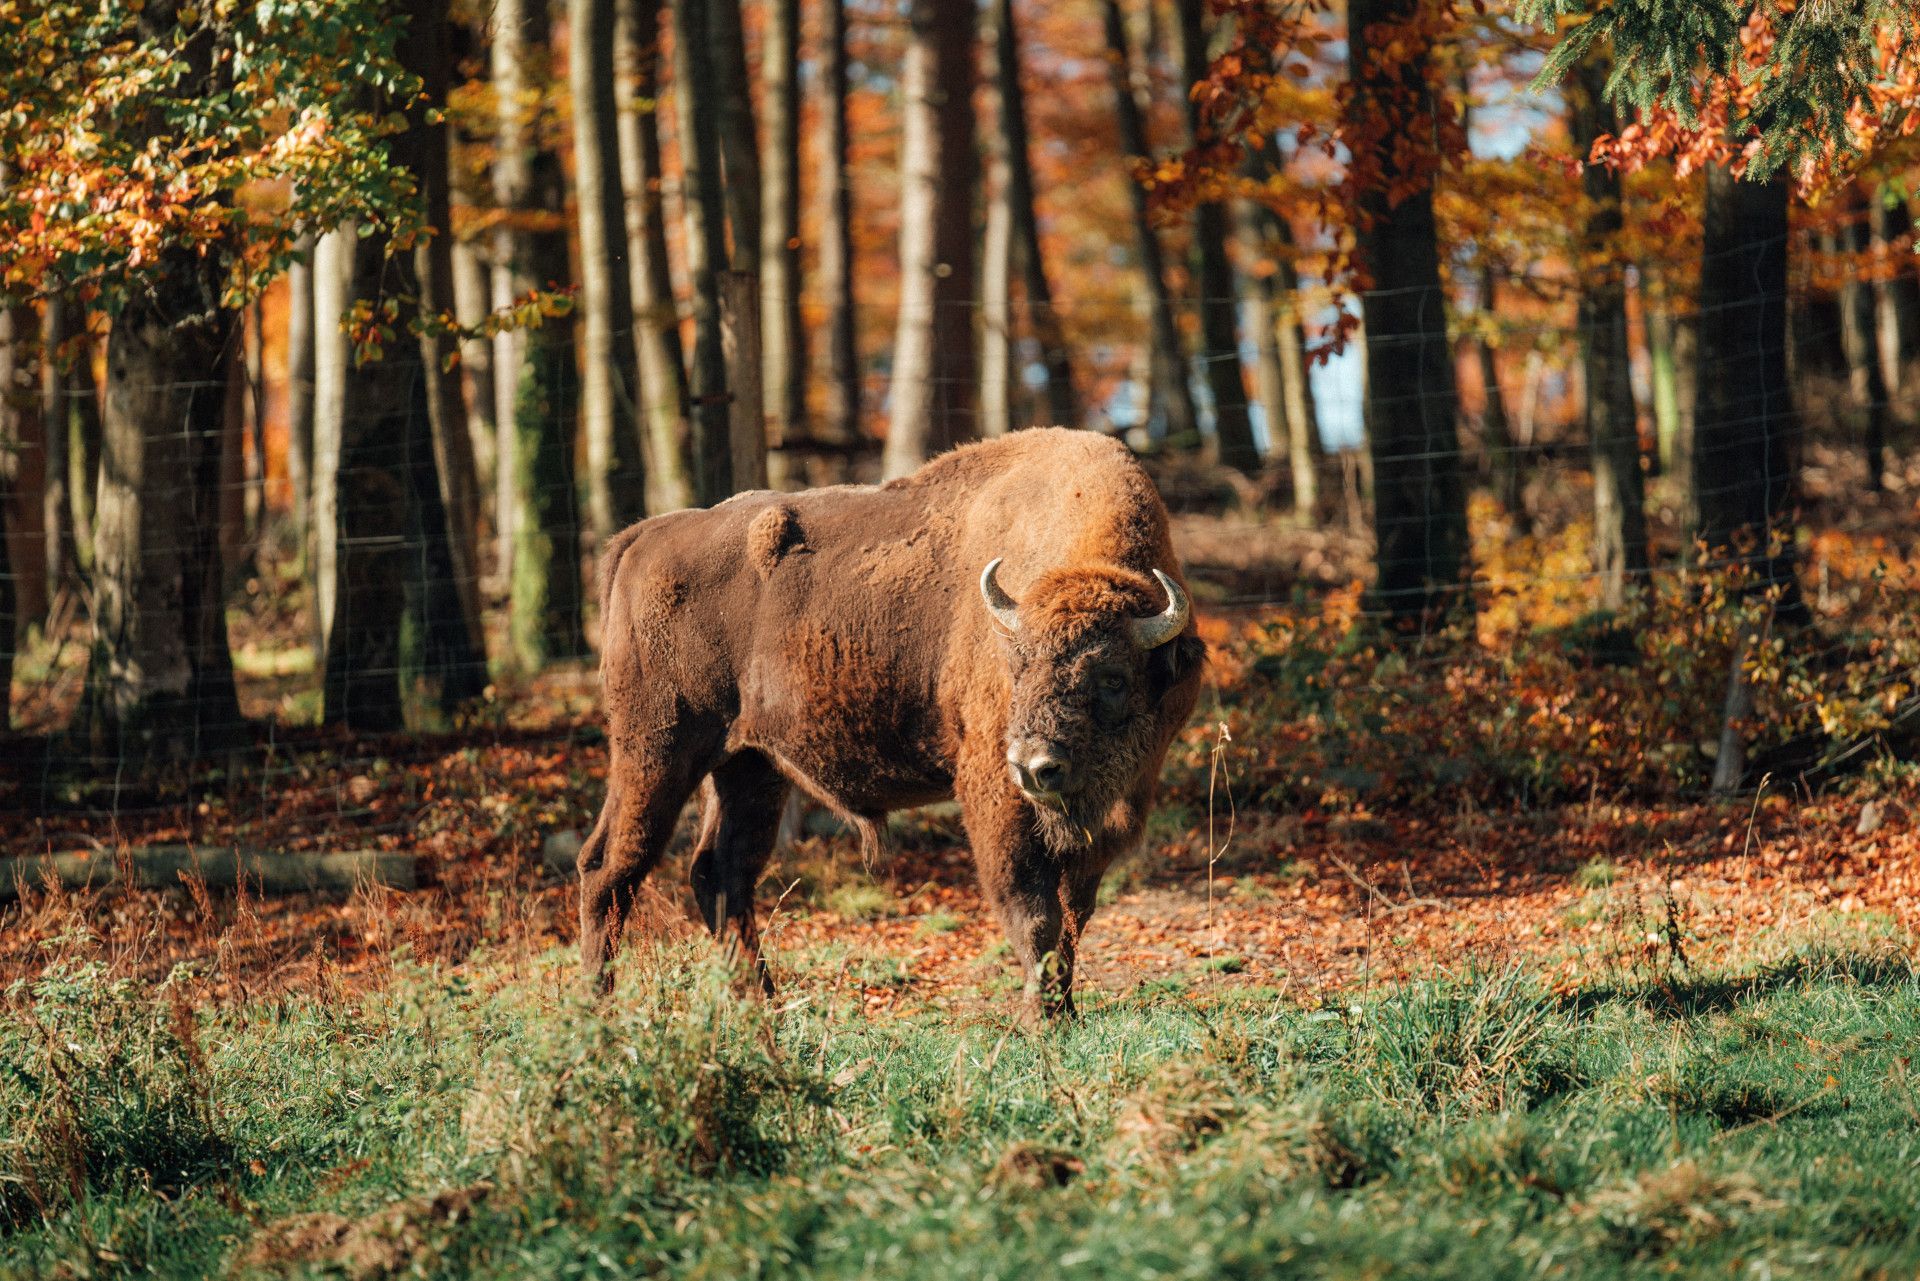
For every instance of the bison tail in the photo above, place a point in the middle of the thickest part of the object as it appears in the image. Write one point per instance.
(610, 563)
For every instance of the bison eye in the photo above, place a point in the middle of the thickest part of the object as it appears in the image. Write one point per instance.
(1113, 683)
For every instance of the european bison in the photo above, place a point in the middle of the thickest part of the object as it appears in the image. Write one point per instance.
(1007, 626)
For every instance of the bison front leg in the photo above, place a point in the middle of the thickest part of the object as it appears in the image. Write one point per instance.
(1042, 899)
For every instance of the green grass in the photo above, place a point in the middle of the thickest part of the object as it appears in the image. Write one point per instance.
(1759, 1121)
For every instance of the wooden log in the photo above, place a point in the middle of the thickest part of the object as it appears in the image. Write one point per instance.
(165, 866)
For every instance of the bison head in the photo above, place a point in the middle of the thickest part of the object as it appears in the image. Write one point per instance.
(1092, 652)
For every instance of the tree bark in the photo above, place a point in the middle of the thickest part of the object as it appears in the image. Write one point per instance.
(300, 387)
(1613, 431)
(1744, 423)
(332, 361)
(1168, 351)
(696, 97)
(740, 160)
(934, 369)
(58, 322)
(782, 334)
(836, 238)
(1063, 402)
(160, 681)
(996, 257)
(447, 574)
(1897, 294)
(610, 377)
(7, 627)
(472, 300)
(540, 519)
(23, 452)
(1419, 500)
(1860, 338)
(663, 372)
(1219, 296)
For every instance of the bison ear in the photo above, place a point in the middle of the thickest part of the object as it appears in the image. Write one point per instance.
(1170, 664)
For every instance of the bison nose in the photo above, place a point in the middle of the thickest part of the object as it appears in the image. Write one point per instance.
(1038, 770)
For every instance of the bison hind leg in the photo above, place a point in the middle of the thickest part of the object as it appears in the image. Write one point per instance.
(741, 807)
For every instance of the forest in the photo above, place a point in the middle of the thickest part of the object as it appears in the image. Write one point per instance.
(1534, 390)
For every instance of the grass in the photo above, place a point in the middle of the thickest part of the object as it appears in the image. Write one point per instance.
(492, 1124)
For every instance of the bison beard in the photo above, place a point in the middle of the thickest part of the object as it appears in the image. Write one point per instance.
(847, 641)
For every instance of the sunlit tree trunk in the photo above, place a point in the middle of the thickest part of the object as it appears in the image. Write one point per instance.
(472, 300)
(1063, 407)
(782, 335)
(842, 423)
(1613, 432)
(1743, 480)
(1168, 350)
(996, 255)
(542, 520)
(1419, 500)
(160, 680)
(934, 368)
(663, 373)
(332, 281)
(1219, 296)
(996, 301)
(740, 288)
(610, 392)
(696, 96)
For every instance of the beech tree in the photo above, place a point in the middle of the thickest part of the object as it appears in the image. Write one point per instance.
(934, 349)
(696, 94)
(232, 97)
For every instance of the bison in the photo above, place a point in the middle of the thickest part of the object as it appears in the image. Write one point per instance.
(1006, 627)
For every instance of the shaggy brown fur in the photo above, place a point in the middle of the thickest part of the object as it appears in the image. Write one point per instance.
(836, 640)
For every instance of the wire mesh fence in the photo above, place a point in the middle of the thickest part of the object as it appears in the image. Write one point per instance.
(267, 769)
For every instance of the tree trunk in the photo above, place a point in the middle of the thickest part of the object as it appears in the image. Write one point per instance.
(1897, 294)
(1262, 306)
(934, 368)
(610, 391)
(739, 320)
(300, 388)
(1613, 431)
(1213, 272)
(236, 555)
(472, 300)
(7, 626)
(540, 517)
(160, 682)
(1859, 336)
(1168, 351)
(58, 321)
(696, 97)
(401, 549)
(23, 450)
(443, 471)
(782, 334)
(1744, 423)
(740, 160)
(1063, 403)
(836, 238)
(1419, 506)
(663, 372)
(362, 689)
(996, 263)
(332, 363)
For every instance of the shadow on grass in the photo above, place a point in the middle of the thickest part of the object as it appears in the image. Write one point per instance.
(1718, 994)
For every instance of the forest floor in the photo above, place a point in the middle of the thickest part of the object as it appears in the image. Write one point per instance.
(1435, 959)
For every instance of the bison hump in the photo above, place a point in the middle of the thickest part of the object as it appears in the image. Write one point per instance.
(771, 536)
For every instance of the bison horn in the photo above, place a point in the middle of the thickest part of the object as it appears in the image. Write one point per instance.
(1005, 610)
(1151, 633)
